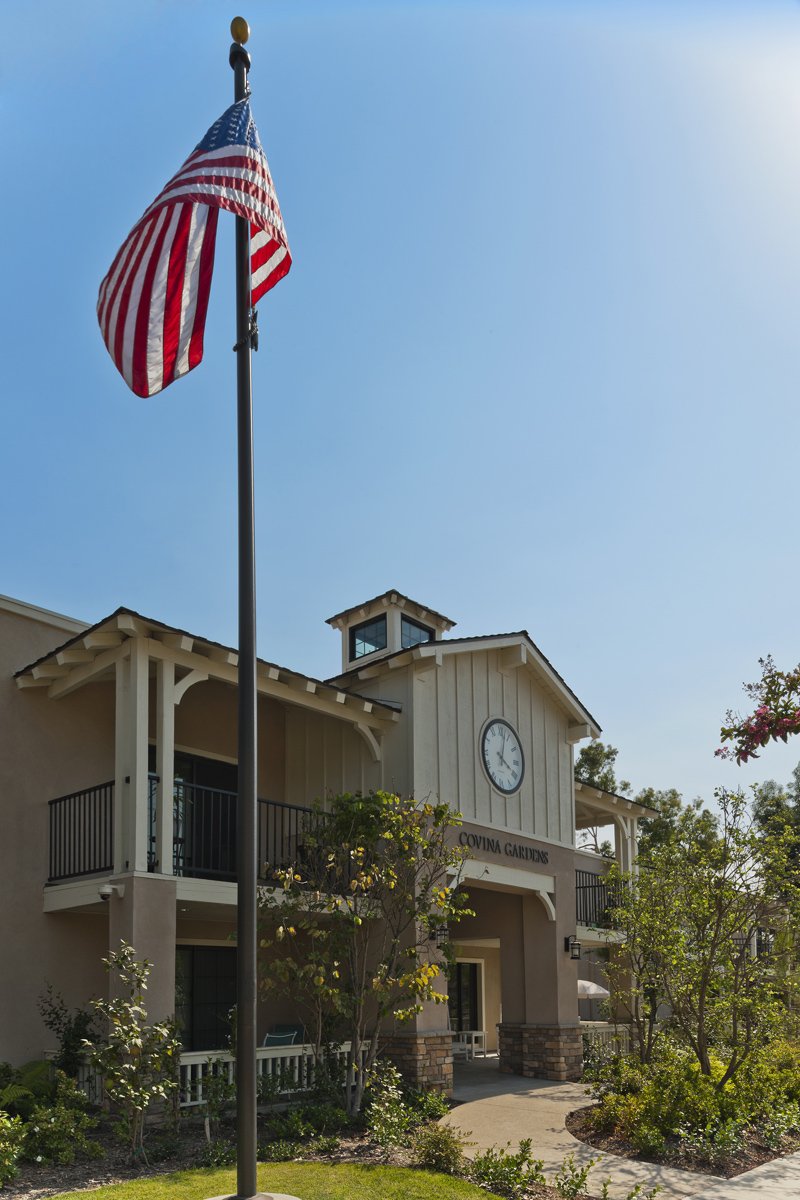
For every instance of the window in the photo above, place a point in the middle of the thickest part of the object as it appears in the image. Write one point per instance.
(367, 637)
(413, 634)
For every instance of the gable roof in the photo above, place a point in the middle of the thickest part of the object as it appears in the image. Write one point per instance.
(129, 623)
(545, 670)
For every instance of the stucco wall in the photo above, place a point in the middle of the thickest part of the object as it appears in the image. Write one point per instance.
(48, 748)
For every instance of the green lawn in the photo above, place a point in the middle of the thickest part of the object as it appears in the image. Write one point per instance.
(308, 1181)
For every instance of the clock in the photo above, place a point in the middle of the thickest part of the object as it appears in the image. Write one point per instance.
(501, 755)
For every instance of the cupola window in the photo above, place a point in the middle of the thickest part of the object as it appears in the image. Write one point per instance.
(368, 637)
(413, 634)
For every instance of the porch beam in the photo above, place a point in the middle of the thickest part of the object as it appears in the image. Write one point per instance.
(270, 683)
(73, 655)
(176, 641)
(81, 674)
(101, 639)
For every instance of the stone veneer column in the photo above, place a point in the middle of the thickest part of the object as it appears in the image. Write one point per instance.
(552, 1052)
(425, 1060)
(509, 1047)
(541, 1051)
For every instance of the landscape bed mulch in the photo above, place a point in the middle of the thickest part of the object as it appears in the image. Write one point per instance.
(180, 1153)
(754, 1153)
(40, 1181)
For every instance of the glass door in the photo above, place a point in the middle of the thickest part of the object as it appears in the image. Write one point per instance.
(464, 998)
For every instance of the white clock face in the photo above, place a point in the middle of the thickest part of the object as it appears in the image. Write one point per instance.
(502, 756)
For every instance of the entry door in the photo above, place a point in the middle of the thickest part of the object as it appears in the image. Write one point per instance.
(464, 997)
(205, 993)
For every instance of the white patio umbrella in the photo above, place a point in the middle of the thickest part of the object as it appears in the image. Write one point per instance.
(591, 991)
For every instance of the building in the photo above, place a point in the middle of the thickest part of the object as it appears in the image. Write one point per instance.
(118, 777)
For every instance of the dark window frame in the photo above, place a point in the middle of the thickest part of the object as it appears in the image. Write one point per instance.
(409, 621)
(356, 629)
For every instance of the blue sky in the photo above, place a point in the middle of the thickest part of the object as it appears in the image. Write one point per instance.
(535, 364)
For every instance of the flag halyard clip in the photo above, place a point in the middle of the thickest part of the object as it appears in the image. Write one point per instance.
(251, 339)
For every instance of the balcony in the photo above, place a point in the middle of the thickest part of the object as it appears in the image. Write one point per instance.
(594, 897)
(203, 840)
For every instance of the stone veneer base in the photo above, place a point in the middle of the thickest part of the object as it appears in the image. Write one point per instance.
(542, 1051)
(425, 1060)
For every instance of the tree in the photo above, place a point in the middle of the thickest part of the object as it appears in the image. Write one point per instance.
(138, 1061)
(668, 805)
(776, 715)
(595, 767)
(691, 919)
(632, 966)
(351, 926)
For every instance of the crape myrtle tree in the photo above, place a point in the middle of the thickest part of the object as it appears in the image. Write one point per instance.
(776, 713)
(350, 926)
(693, 918)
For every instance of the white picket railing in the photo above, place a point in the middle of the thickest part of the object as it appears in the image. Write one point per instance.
(600, 1033)
(289, 1069)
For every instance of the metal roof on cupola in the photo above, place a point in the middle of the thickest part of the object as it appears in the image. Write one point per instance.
(391, 599)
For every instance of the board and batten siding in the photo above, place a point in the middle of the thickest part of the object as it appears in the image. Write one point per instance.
(452, 702)
(325, 757)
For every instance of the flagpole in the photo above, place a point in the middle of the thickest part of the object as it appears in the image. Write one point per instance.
(247, 872)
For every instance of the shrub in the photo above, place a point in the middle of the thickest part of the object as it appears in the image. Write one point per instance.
(295, 1127)
(440, 1148)
(21, 1087)
(323, 1144)
(219, 1093)
(672, 1099)
(59, 1132)
(782, 1121)
(714, 1144)
(512, 1175)
(325, 1118)
(570, 1180)
(12, 1135)
(388, 1118)
(427, 1106)
(280, 1151)
(72, 1028)
(220, 1153)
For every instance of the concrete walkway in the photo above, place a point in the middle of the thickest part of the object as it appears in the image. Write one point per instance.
(495, 1109)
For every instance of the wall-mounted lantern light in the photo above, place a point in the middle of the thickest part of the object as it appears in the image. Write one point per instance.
(440, 935)
(572, 946)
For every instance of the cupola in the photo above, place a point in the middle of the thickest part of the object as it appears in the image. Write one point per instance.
(385, 625)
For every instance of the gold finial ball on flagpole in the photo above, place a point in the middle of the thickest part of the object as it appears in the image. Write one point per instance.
(240, 30)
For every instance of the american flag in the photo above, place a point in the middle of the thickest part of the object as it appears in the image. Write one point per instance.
(153, 301)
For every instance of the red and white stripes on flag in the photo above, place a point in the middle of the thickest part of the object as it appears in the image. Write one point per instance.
(153, 301)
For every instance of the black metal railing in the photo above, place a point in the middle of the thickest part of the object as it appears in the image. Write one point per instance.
(152, 818)
(594, 899)
(203, 833)
(82, 833)
(283, 832)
